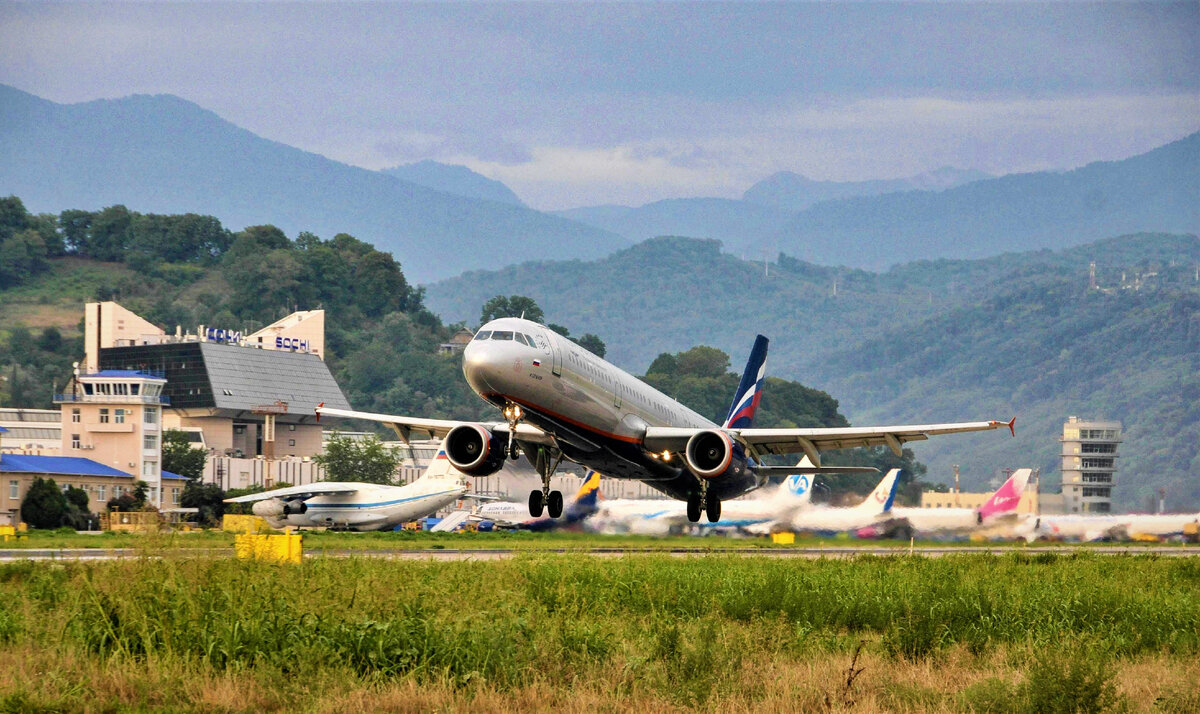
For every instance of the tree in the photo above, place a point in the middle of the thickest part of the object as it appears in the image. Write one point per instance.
(367, 460)
(77, 497)
(180, 456)
(208, 497)
(141, 489)
(51, 340)
(511, 306)
(592, 344)
(44, 506)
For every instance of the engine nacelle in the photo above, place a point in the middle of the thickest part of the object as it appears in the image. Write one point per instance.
(473, 450)
(712, 454)
(270, 508)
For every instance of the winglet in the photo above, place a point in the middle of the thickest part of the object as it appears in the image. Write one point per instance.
(1012, 426)
(318, 411)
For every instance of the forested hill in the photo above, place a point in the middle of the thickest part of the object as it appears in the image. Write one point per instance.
(162, 154)
(1021, 333)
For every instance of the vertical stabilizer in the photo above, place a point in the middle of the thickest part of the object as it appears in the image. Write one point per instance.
(1007, 497)
(880, 500)
(749, 391)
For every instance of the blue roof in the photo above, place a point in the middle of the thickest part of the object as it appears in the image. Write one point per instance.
(122, 373)
(168, 474)
(56, 465)
(3, 430)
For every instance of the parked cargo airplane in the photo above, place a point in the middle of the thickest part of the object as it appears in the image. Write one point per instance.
(360, 506)
(561, 401)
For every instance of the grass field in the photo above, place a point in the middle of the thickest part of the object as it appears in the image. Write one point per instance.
(643, 632)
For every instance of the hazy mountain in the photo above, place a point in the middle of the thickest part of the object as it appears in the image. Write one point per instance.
(792, 192)
(163, 154)
(1155, 191)
(1019, 333)
(745, 228)
(454, 179)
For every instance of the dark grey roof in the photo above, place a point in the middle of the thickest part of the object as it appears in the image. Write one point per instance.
(243, 378)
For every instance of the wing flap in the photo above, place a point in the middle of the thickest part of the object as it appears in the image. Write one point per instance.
(434, 428)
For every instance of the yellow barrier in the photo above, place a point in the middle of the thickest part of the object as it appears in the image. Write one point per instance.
(11, 533)
(279, 548)
(783, 538)
(235, 523)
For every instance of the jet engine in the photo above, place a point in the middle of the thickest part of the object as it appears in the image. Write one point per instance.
(473, 450)
(712, 454)
(279, 508)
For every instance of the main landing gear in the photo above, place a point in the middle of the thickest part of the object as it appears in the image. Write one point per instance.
(703, 503)
(545, 499)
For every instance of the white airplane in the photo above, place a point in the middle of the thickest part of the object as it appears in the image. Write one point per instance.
(1000, 508)
(873, 514)
(507, 514)
(1133, 526)
(560, 401)
(661, 517)
(360, 506)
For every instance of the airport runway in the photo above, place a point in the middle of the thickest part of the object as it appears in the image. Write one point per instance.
(480, 554)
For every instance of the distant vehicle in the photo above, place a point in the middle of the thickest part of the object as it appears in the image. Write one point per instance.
(360, 506)
(561, 401)
(998, 511)
(508, 514)
(1119, 527)
(870, 518)
(662, 516)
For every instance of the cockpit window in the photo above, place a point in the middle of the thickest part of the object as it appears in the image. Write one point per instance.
(483, 335)
(502, 335)
(530, 341)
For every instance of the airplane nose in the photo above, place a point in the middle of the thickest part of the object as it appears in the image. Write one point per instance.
(475, 368)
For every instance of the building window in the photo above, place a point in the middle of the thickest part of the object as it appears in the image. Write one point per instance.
(150, 442)
(100, 493)
(133, 389)
(74, 441)
(119, 416)
(104, 415)
(150, 416)
(14, 490)
(118, 491)
(149, 468)
(175, 496)
(291, 442)
(75, 416)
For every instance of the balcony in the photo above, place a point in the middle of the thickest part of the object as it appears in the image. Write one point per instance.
(109, 427)
(111, 399)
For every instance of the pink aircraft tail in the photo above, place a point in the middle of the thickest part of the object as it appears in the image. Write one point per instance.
(1007, 497)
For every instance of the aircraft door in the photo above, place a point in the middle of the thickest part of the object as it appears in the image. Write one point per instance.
(555, 355)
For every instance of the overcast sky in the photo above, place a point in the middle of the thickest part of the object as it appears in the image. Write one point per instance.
(579, 104)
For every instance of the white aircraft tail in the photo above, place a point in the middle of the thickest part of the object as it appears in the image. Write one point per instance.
(796, 490)
(440, 469)
(880, 500)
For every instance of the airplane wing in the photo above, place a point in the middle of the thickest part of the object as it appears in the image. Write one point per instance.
(435, 428)
(814, 441)
(325, 488)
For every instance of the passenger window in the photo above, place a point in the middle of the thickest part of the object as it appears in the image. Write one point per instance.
(502, 335)
(483, 335)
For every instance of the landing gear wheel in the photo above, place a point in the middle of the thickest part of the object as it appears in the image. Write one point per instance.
(535, 504)
(693, 509)
(554, 504)
(513, 452)
(712, 509)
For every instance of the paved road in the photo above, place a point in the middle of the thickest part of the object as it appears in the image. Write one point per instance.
(88, 554)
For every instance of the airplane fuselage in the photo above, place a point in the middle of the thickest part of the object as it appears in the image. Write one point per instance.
(597, 412)
(374, 507)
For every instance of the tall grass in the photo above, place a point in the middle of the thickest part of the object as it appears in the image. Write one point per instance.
(688, 631)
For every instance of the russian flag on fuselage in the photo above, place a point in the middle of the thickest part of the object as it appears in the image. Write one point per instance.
(749, 392)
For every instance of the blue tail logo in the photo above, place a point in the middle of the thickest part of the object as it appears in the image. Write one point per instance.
(749, 392)
(797, 484)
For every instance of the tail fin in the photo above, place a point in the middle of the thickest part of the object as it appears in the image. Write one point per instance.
(1007, 497)
(587, 499)
(440, 468)
(749, 391)
(796, 489)
(880, 500)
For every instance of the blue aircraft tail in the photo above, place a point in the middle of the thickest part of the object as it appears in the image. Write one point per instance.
(749, 392)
